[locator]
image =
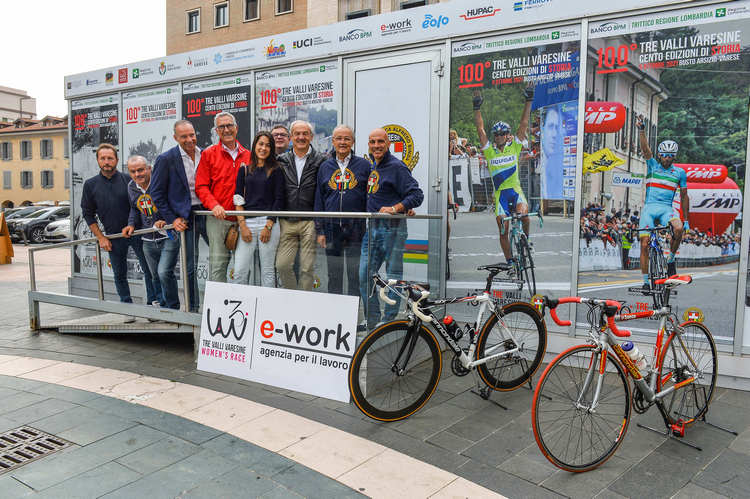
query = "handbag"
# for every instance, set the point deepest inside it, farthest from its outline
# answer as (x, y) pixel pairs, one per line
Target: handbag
(233, 234)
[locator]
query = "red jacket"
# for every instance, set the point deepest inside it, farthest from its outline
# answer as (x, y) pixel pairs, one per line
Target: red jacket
(216, 176)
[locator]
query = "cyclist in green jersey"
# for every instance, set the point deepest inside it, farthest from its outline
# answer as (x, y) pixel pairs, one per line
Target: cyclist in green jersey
(502, 157)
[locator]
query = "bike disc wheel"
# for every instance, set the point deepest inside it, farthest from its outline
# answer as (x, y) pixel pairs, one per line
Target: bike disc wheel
(520, 326)
(690, 354)
(377, 388)
(572, 437)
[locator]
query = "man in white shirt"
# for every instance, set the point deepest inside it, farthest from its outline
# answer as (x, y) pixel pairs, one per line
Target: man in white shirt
(300, 167)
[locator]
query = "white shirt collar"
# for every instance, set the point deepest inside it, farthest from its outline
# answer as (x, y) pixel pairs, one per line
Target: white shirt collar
(186, 155)
(232, 152)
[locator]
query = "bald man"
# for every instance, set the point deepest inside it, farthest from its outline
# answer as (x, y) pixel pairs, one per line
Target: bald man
(390, 189)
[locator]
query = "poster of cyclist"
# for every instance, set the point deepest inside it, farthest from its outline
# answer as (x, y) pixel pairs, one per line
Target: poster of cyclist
(512, 149)
(666, 135)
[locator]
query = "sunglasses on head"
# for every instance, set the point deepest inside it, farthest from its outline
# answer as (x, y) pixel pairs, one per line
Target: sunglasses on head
(668, 154)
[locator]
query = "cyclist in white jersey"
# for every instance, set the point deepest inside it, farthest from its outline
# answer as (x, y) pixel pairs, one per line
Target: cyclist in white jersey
(502, 155)
(662, 180)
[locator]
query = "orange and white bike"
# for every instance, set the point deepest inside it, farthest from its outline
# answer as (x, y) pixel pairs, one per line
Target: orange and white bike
(582, 403)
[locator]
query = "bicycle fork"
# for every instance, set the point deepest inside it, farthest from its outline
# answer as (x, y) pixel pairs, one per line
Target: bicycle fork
(596, 364)
(407, 348)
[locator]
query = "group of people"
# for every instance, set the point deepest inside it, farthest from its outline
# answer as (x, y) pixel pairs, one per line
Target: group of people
(614, 229)
(270, 176)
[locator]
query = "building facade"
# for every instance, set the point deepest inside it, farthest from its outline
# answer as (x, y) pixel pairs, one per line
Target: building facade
(199, 24)
(15, 103)
(34, 162)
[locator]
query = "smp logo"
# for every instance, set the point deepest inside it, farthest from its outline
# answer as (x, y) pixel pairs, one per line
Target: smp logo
(275, 51)
(434, 22)
(479, 12)
(355, 34)
(609, 27)
(235, 323)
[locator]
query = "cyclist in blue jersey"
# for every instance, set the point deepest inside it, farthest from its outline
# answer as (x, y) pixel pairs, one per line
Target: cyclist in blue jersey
(502, 157)
(662, 181)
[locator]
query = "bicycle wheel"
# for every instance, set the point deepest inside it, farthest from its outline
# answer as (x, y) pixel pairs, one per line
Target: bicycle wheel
(690, 354)
(657, 265)
(387, 393)
(517, 325)
(526, 264)
(571, 435)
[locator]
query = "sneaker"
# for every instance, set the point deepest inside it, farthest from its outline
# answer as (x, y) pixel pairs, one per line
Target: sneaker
(155, 304)
(129, 319)
(671, 269)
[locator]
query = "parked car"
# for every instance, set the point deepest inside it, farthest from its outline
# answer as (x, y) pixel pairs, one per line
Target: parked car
(32, 226)
(21, 212)
(58, 231)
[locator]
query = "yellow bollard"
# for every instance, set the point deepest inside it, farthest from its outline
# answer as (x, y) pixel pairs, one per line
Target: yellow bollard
(6, 247)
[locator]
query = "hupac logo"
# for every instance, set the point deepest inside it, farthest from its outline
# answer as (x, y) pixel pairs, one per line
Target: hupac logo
(355, 34)
(434, 22)
(235, 323)
(479, 12)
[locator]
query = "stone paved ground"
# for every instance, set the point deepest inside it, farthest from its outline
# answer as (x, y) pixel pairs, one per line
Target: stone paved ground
(456, 431)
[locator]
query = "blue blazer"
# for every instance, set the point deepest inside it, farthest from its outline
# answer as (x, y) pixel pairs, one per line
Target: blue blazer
(169, 186)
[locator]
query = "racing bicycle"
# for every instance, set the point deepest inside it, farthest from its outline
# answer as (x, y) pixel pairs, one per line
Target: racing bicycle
(396, 368)
(523, 260)
(657, 264)
(582, 403)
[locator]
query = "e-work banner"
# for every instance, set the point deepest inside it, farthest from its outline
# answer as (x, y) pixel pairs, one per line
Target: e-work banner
(253, 333)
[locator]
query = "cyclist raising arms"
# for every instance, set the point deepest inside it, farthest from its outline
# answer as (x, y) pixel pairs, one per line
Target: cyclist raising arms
(502, 159)
(662, 180)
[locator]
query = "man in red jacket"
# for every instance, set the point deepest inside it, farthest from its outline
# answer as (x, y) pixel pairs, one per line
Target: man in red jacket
(215, 181)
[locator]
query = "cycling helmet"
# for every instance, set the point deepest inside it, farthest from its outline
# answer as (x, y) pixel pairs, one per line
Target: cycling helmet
(500, 127)
(667, 146)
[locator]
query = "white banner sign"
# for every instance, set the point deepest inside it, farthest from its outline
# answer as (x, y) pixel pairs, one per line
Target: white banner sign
(149, 116)
(297, 340)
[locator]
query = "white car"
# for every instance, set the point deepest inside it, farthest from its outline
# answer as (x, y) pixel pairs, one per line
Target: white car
(58, 231)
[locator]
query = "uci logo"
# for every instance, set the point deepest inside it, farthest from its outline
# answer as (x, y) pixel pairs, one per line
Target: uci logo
(236, 314)
(434, 22)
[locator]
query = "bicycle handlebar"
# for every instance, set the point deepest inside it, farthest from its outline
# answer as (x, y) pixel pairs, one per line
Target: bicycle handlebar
(552, 304)
(383, 297)
(385, 285)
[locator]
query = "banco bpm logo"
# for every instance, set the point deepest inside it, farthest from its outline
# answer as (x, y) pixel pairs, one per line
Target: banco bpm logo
(234, 323)
(355, 34)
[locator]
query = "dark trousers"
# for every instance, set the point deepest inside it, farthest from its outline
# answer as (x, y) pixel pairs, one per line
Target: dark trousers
(118, 258)
(343, 251)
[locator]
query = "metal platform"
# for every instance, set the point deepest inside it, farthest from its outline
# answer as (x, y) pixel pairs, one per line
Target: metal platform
(113, 324)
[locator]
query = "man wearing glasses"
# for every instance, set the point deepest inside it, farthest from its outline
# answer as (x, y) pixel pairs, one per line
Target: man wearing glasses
(662, 181)
(215, 183)
(280, 136)
(502, 159)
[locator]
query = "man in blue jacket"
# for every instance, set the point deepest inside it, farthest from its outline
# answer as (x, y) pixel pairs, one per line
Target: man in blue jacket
(342, 186)
(390, 189)
(173, 193)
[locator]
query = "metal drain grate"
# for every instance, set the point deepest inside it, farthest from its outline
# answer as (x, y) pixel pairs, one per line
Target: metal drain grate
(25, 444)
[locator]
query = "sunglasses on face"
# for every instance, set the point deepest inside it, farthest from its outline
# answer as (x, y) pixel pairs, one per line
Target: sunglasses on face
(668, 154)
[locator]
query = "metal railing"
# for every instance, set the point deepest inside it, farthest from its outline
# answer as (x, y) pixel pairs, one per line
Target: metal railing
(322, 214)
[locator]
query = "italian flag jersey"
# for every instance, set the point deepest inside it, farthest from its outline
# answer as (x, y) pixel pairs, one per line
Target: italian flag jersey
(661, 183)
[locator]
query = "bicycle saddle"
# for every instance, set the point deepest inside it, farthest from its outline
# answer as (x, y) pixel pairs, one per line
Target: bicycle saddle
(495, 267)
(675, 280)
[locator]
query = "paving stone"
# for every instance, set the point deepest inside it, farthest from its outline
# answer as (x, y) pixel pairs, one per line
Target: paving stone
(280, 492)
(726, 475)
(12, 488)
(179, 427)
(502, 482)
(178, 478)
(240, 484)
(158, 455)
(501, 445)
(101, 426)
(450, 441)
(64, 393)
(430, 421)
(39, 410)
(741, 443)
(529, 464)
(92, 483)
(693, 491)
(70, 462)
(309, 483)
(19, 401)
(248, 455)
(608, 494)
(67, 419)
(654, 476)
(588, 484)
(8, 392)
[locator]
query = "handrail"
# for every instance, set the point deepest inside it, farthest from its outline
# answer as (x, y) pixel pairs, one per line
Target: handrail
(321, 214)
(99, 277)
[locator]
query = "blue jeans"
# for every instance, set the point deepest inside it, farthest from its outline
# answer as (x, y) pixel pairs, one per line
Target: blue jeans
(158, 255)
(383, 242)
(118, 258)
(168, 262)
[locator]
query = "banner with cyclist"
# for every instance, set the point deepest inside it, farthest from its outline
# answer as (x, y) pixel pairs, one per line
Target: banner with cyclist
(512, 147)
(665, 140)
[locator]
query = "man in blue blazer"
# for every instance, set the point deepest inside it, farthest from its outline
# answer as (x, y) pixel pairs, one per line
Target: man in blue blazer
(173, 193)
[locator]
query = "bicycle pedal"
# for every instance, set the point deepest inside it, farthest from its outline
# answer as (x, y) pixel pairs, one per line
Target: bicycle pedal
(678, 429)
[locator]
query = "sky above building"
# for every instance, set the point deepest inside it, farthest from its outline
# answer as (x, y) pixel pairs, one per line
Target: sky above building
(44, 40)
